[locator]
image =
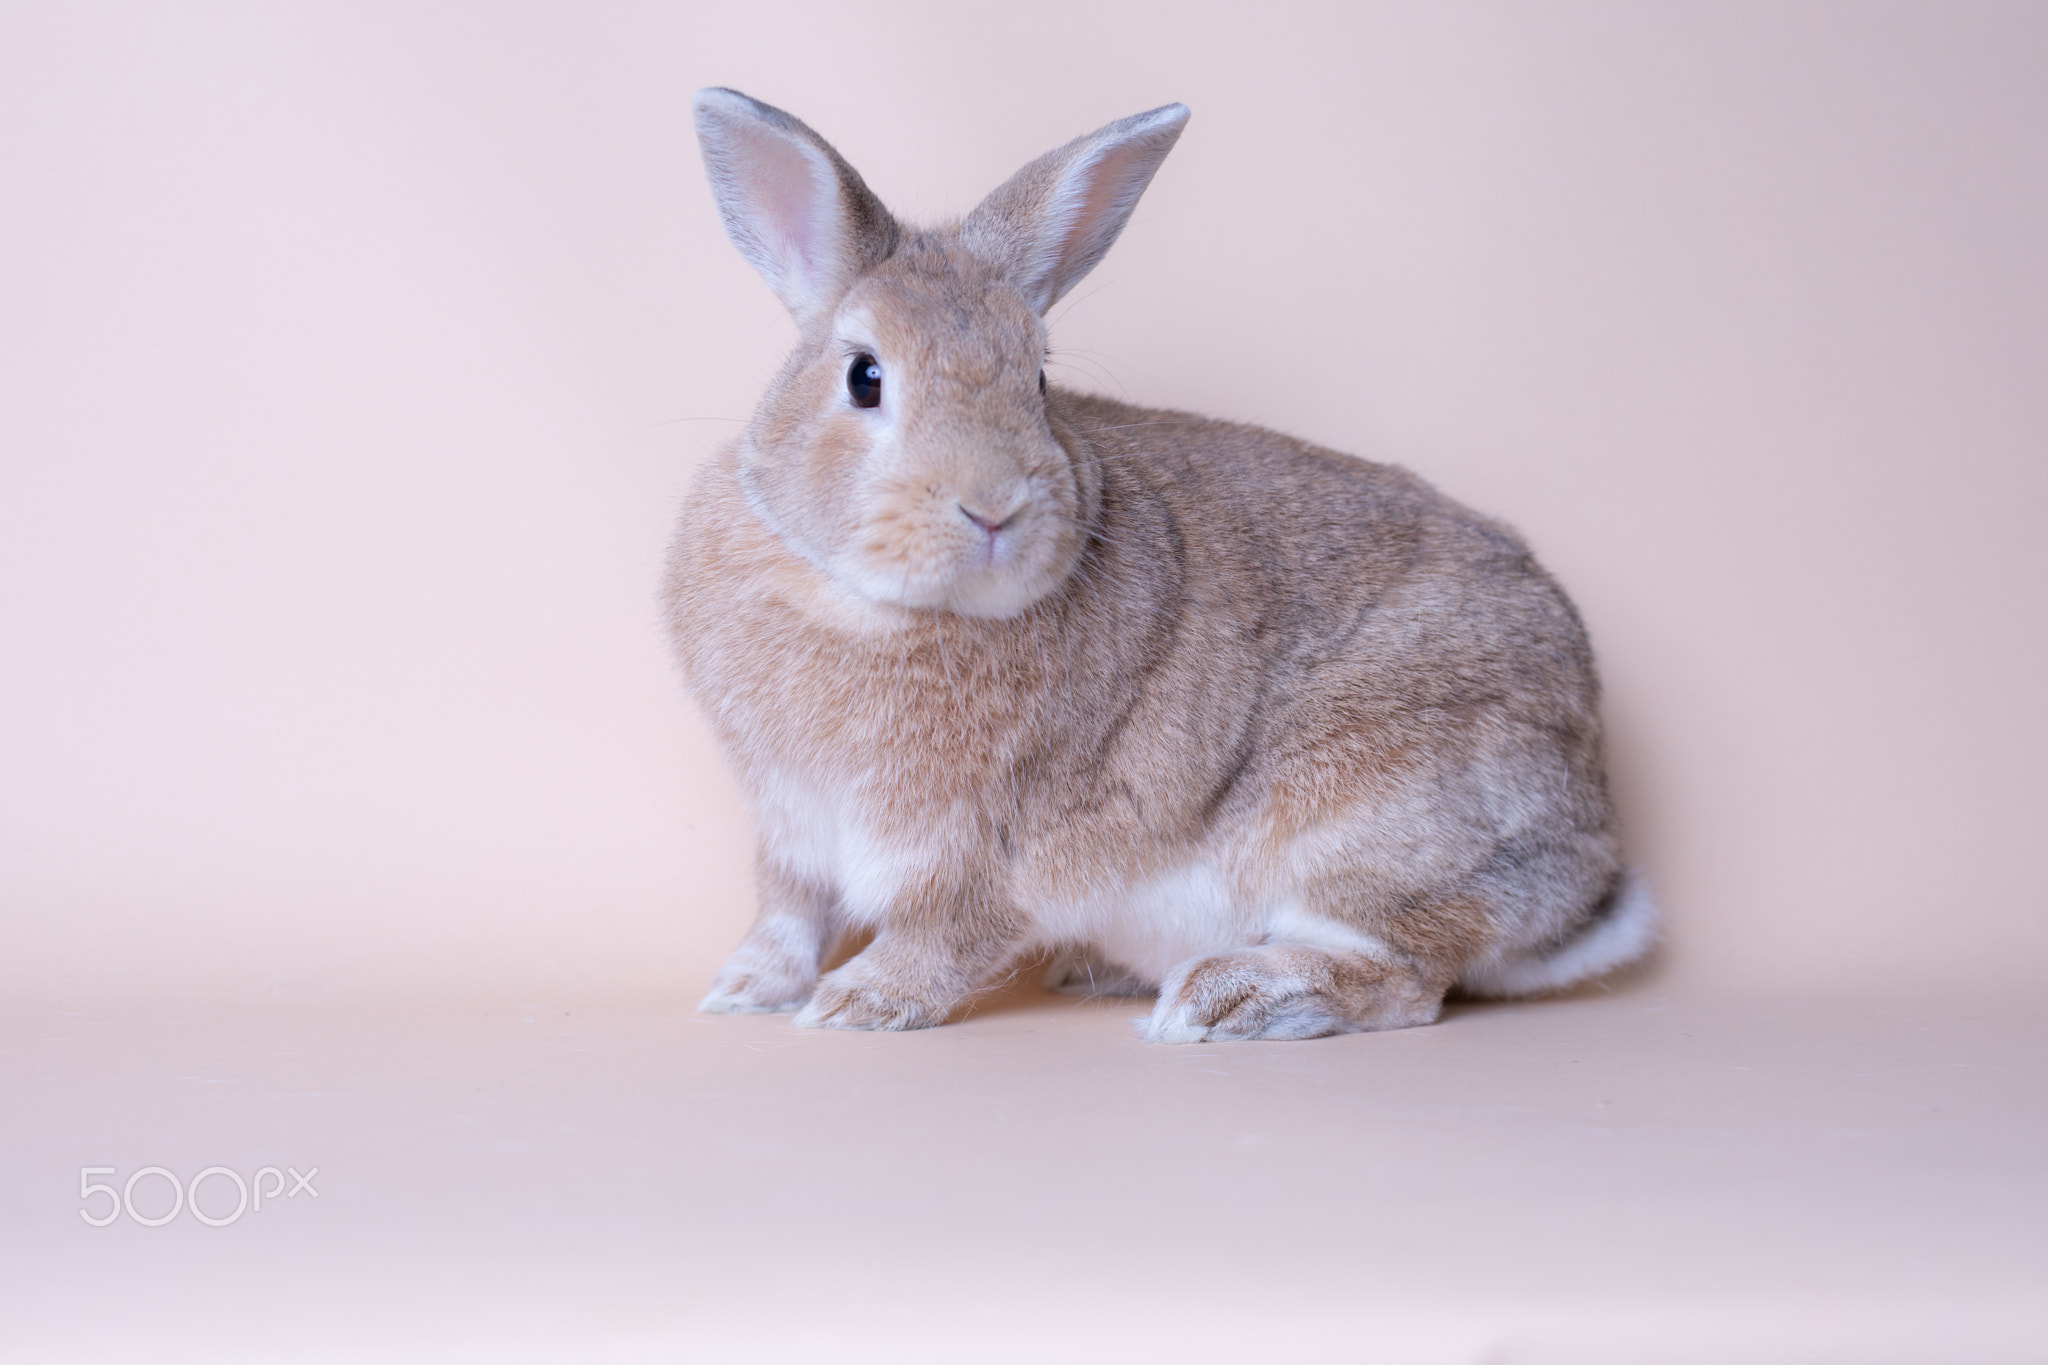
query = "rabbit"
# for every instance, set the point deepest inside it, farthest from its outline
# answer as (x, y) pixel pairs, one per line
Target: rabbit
(1284, 736)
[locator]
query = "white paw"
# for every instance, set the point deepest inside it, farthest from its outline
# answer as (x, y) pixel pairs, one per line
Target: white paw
(745, 986)
(1279, 991)
(746, 998)
(843, 1000)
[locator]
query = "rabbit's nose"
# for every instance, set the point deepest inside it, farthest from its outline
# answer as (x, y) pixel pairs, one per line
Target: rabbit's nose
(993, 522)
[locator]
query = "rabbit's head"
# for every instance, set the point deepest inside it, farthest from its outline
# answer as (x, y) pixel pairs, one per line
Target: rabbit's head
(909, 449)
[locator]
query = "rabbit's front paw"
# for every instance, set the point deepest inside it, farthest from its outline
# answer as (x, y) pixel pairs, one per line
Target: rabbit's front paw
(846, 1001)
(749, 994)
(757, 982)
(1285, 991)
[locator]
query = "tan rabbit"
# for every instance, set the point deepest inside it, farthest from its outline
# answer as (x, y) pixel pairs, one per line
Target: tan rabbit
(1288, 737)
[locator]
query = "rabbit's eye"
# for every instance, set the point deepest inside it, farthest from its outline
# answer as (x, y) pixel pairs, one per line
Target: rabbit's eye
(1041, 383)
(864, 381)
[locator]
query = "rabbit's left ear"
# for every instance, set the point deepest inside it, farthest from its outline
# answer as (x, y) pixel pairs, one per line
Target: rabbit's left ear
(1052, 221)
(791, 204)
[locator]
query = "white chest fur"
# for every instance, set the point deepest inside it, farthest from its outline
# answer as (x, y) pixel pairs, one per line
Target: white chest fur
(816, 832)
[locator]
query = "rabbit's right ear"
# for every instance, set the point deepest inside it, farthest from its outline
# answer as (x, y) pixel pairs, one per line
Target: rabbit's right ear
(790, 203)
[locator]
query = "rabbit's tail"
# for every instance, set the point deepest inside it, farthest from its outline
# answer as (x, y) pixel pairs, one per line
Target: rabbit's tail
(1622, 929)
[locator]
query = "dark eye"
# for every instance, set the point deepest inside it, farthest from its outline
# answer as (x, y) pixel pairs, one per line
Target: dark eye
(864, 381)
(1041, 381)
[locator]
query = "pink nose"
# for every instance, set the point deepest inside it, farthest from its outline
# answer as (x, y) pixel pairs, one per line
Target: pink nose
(986, 523)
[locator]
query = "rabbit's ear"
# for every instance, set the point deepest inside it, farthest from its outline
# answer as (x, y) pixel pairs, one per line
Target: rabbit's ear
(1052, 221)
(790, 203)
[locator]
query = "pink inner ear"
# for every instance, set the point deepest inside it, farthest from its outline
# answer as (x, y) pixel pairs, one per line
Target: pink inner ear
(1105, 195)
(783, 196)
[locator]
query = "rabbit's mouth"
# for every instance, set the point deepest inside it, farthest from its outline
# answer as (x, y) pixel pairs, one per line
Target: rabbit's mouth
(983, 554)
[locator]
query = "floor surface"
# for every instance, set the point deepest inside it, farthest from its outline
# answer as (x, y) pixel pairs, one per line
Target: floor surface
(1641, 1175)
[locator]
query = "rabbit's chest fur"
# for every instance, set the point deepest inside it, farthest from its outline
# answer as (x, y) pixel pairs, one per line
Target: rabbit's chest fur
(1072, 747)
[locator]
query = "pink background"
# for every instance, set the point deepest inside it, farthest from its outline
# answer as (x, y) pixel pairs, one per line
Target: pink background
(356, 356)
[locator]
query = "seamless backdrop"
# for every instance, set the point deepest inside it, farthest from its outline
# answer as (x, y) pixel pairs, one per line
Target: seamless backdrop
(353, 359)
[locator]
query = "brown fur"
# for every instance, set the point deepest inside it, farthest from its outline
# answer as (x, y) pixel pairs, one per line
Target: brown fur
(1354, 720)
